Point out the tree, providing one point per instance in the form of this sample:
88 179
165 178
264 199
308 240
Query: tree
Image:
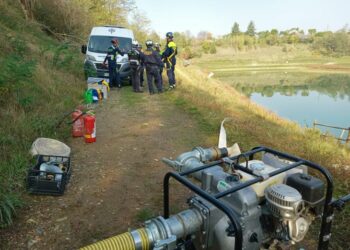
274 32
188 34
235 29
311 35
312 32
251 29
76 17
204 35
139 23
334 44
154 37
183 39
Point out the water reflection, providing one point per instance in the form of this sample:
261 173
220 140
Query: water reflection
336 86
325 99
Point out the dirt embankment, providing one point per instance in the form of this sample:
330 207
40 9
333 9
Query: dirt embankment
116 182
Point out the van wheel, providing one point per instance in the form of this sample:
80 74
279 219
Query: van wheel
126 81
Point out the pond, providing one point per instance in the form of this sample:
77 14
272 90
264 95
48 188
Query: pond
325 99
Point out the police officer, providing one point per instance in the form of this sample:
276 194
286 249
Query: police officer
142 70
170 60
135 64
152 63
111 57
157 48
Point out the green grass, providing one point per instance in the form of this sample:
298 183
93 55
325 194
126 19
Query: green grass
271 66
40 80
144 214
130 98
8 205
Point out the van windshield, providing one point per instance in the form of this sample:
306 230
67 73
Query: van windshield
100 44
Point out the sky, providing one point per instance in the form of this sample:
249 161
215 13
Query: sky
218 16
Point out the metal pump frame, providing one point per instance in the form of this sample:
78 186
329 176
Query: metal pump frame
327 215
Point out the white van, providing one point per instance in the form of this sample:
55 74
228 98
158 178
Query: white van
96 50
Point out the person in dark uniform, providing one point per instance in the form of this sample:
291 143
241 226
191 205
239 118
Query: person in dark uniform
152 63
111 57
170 60
142 70
157 48
135 64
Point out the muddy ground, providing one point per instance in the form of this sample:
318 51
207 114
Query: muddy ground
116 182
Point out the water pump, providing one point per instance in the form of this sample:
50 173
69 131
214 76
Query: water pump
260 199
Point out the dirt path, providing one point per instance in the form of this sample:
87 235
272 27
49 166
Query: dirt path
116 182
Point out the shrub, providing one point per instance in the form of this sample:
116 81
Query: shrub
212 49
209 47
237 42
333 44
189 53
60 16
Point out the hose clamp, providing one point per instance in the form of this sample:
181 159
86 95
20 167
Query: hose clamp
169 244
137 239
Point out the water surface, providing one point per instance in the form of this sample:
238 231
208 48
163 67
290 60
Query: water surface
325 100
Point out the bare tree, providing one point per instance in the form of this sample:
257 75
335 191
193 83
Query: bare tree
204 35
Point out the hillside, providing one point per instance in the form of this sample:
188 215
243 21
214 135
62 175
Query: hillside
36 73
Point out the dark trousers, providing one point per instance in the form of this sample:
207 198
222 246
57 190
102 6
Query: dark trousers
170 71
114 78
161 75
135 77
152 72
142 71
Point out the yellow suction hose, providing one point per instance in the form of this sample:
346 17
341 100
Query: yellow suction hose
135 240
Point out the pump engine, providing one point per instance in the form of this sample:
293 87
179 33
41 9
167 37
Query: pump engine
240 202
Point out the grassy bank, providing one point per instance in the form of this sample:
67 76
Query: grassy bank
268 66
210 101
40 79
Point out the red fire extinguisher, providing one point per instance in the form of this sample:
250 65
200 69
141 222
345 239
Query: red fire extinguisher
90 127
77 123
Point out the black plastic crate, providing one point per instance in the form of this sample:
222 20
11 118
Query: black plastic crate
48 182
